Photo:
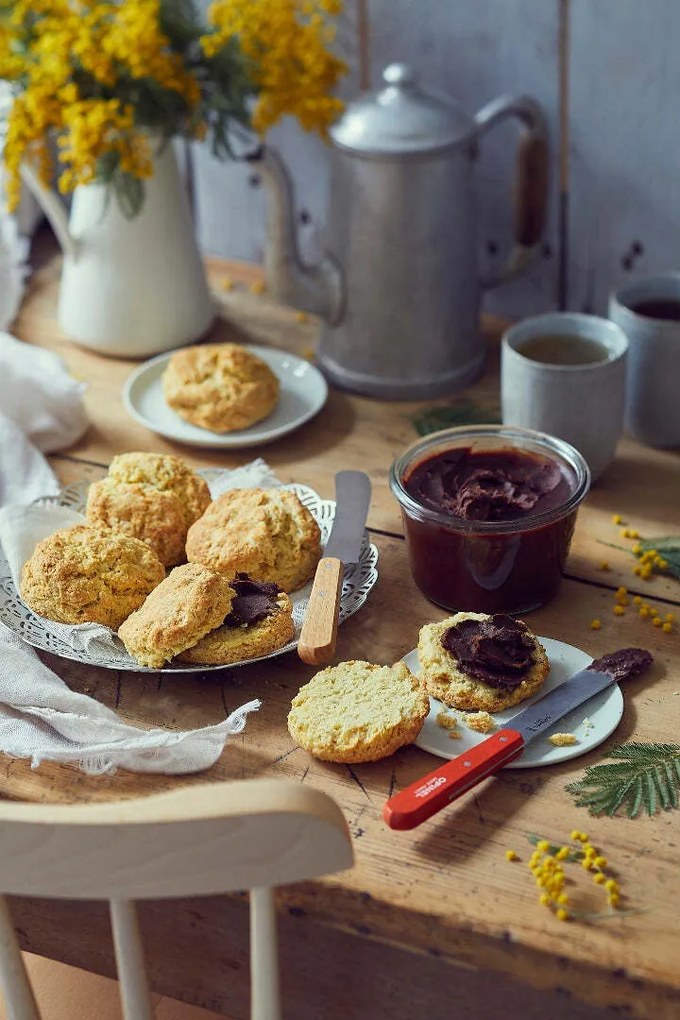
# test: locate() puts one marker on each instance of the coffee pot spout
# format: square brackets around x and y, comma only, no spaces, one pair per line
[314,288]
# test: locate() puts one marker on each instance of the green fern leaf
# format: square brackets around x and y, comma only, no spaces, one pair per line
[642,776]
[459,412]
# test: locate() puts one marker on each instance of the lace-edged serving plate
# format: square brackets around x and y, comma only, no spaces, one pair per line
[358,580]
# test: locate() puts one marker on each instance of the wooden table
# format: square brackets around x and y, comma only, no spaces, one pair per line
[428,922]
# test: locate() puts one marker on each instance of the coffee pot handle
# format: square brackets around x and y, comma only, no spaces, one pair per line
[531,178]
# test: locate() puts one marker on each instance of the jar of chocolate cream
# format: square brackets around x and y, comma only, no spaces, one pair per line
[489,512]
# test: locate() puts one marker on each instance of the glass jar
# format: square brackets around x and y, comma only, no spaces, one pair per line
[490,566]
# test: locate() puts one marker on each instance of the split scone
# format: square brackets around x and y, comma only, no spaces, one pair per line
[220,387]
[475,661]
[186,606]
[265,533]
[143,512]
[357,711]
[84,575]
[259,621]
[164,472]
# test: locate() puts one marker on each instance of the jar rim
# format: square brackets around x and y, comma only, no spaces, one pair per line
[528,439]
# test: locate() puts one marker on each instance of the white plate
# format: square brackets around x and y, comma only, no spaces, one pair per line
[303,394]
[357,582]
[603,712]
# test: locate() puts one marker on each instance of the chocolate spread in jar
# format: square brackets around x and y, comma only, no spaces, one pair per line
[623,664]
[498,651]
[489,485]
[480,570]
[254,601]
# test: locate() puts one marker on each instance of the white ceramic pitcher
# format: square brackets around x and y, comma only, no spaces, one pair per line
[129,287]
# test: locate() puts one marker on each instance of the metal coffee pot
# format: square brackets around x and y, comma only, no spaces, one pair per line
[399,287]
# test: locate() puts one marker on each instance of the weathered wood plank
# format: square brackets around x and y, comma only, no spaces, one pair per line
[625,194]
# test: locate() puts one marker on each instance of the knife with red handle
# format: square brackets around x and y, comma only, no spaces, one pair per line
[428,795]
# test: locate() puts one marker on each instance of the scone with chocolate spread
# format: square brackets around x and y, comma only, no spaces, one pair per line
[259,621]
[84,575]
[265,533]
[220,387]
[189,603]
[475,661]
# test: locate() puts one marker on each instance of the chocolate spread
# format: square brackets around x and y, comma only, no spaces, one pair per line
[624,664]
[498,651]
[253,602]
[467,565]
[489,485]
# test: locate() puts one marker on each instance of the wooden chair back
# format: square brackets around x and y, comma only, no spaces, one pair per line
[198,840]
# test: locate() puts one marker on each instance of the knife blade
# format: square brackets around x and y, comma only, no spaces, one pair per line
[320,625]
[432,792]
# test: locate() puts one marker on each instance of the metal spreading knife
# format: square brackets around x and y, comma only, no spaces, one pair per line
[320,626]
[434,791]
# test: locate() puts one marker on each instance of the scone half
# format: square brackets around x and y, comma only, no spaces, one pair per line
[442,675]
[358,712]
[187,605]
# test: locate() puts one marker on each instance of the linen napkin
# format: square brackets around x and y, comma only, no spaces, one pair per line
[40,717]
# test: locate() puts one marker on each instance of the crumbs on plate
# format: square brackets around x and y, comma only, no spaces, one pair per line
[480,722]
[562,739]
[450,723]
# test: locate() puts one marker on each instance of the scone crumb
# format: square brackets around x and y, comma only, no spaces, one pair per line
[446,721]
[562,739]
[480,722]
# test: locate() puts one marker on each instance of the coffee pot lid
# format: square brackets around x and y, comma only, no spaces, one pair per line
[401,118]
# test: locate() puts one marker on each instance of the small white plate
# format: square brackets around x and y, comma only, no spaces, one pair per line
[303,394]
[603,712]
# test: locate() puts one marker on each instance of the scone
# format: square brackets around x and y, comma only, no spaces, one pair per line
[266,533]
[84,575]
[357,711]
[189,603]
[260,621]
[220,387]
[141,511]
[475,661]
[167,473]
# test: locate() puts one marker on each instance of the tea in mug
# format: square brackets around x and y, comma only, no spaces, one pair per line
[563,350]
[658,308]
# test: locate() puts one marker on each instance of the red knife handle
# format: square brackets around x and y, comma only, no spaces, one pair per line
[432,792]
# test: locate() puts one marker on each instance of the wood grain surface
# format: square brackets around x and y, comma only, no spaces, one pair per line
[443,893]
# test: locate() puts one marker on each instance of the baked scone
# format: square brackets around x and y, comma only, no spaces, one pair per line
[220,387]
[260,621]
[190,602]
[265,533]
[141,511]
[357,711]
[167,473]
[84,575]
[487,663]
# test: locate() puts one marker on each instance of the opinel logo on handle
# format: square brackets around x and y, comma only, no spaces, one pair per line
[320,627]
[429,794]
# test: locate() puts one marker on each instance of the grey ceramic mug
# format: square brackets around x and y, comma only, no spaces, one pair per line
[582,403]
[653,387]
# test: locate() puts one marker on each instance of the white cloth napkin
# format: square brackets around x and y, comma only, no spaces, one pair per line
[40,717]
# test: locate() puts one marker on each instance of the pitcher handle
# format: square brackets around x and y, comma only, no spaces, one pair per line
[52,206]
[531,178]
